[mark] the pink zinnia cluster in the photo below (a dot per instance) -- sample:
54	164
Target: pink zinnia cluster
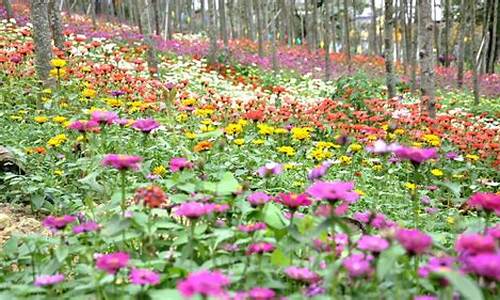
489	202
195	210
258	198
474	243
45	280
180	163
145	125
84	126
333	191
144	277
293	201
376	220
86	227
302	274
415	155
413	240
270	169
205	283
248	228
436	264
372	243
103	117
319	171
121	162
358	265
111	263
58	223
260	248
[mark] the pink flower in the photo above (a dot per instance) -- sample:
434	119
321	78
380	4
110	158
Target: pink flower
44	280
333	191
357	265
270	169
485	264
301	274
293	201
112	262
58	223
425	297
143	277
489	202
193	210
258	198
252	227
84	126
413	240
472	244
121	162
145	125
261	293
319	171
415	155
205	283
436	264
103	117
373	244
179	164
86	227
260	248
381	147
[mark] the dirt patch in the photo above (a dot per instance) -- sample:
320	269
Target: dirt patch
18	219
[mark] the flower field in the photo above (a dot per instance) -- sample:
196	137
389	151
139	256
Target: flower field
226	182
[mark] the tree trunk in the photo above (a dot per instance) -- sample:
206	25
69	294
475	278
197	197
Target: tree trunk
259	28
274	56
170	19
156	9
475	80
203	15
373	31
56	24
414	48
8	9
436	31
314	25
493	40
230	12
334	28
407	15
426	58
305	29
461	44
146	8
42	38
396	29
223	27
447	32
212	32
347	43
327	25
93	14
388	48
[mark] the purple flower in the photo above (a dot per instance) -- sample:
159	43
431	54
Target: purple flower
332	191
451	155
205	283
258	198
301	274
57	223
111	263
44	280
179	164
381	147
261	293
269	169
473	243
121	162
415	155
357	265
436	264
143	277
117	93
193	210
86	227
314	290
319	171
103	117
425	297
145	125
293	201
413	240
260	248
121	121
489	202
486	265
84	126
373	244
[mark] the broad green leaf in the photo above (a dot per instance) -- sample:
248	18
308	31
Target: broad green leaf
464	285
170	294
279	258
387	261
61	253
273	216
227	185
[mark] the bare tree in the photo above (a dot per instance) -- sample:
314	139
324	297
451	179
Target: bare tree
41	38
314	25
8	9
56	23
414	49
93	14
461	44
427	84
373	27
223	27
260	42
388	48
212	32
347	30
327	26
493	40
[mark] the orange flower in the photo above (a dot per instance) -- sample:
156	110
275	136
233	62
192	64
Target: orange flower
202	146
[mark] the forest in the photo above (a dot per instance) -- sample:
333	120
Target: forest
250	149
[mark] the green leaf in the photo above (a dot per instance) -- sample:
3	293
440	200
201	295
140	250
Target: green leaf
227	185
387	261
171	294
279	259
455	188
273	216
463	284
91	181
115	226
209	135
61	253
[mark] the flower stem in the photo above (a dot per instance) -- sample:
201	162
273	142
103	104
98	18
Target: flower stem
123	185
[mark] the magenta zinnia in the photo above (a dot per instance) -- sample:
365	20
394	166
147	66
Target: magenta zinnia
301	274
179	164
413	240
145	125
333	191
260	248
45	280
489	202
58	223
143	277
293	201
121	162
415	155
112	262
205	283
193	210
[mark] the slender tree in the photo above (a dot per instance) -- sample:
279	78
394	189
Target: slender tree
493	40
42	38
373	29
475	54
446	32
314	25
93	14
56	23
223	26
212	32
414	48
147	18
347	30
8	9
327	25
155	10
427	84
388	47
461	43
258	15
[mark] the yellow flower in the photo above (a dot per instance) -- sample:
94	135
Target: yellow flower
239	142
385	127
242	122
159	170
432	140
325	145
206	122
80	138
59	119
203	112
57	140
437	172
58	63
206	128
54	72
355	147
298	183
280	131
301	133
472	157
113	102
286	150
360	192
458	176
347	160
410	186
417	145
190	135
181	118
377	168
189	101
89	93
399	131
40	119
289	166
16	118
258	142
86	69
47	91
58	172
265	129
391	136
233	129
450	220
321	153
372	137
